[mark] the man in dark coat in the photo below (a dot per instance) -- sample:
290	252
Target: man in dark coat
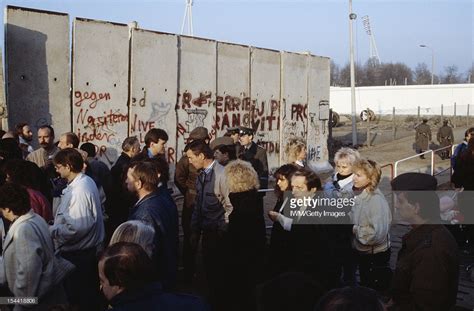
427	271
422	137
156	208
256	155
120	200
445	138
185	179
211	218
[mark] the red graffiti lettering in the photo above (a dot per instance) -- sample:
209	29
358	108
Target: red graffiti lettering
91	98
94	135
299	111
171	155
180	130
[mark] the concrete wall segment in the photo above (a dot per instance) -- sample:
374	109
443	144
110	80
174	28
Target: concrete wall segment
265	102
153	86
233	86
100	85
37	68
197	88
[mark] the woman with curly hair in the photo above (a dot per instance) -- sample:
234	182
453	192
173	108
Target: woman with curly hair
246	233
371	217
295	151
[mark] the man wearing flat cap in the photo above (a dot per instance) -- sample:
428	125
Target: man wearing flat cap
427	270
422	137
185	179
256	155
224	150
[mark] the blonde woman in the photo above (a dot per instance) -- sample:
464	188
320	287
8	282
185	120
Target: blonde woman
295	151
342	183
137	232
246	233
371	217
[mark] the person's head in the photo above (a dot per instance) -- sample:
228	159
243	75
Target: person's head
246	136
11	134
469	133
305	182
367	174
68	140
425	120
345	159
233	132
68	163
224	149
415	198
225	153
19	172
135	231
23	130
155	141
14	201
162	169
90	148
356	298
241	176
295	150
131	146
199	154
199	133
283	178
445	122
9	149
142	178
124	266
46	136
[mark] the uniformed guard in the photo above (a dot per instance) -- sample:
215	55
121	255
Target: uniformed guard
445	138
422	137
256	155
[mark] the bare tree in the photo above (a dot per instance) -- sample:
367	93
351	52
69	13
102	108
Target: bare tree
451	75
422	74
470	74
335	74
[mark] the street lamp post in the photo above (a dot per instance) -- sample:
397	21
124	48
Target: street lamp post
352	17
432	61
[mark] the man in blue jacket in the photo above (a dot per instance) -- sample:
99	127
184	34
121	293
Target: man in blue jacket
156	207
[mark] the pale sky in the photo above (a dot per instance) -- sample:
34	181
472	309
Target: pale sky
319	26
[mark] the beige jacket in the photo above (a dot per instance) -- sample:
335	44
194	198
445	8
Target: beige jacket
371	217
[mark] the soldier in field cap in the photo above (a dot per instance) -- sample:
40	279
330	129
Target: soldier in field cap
427	271
422	137
256	155
445	138
233	132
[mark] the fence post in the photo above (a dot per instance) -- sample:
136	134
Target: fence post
330	125
368	130
393	123
467	116
454	123
418	118
442	112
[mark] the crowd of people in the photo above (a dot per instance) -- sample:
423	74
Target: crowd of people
72	228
